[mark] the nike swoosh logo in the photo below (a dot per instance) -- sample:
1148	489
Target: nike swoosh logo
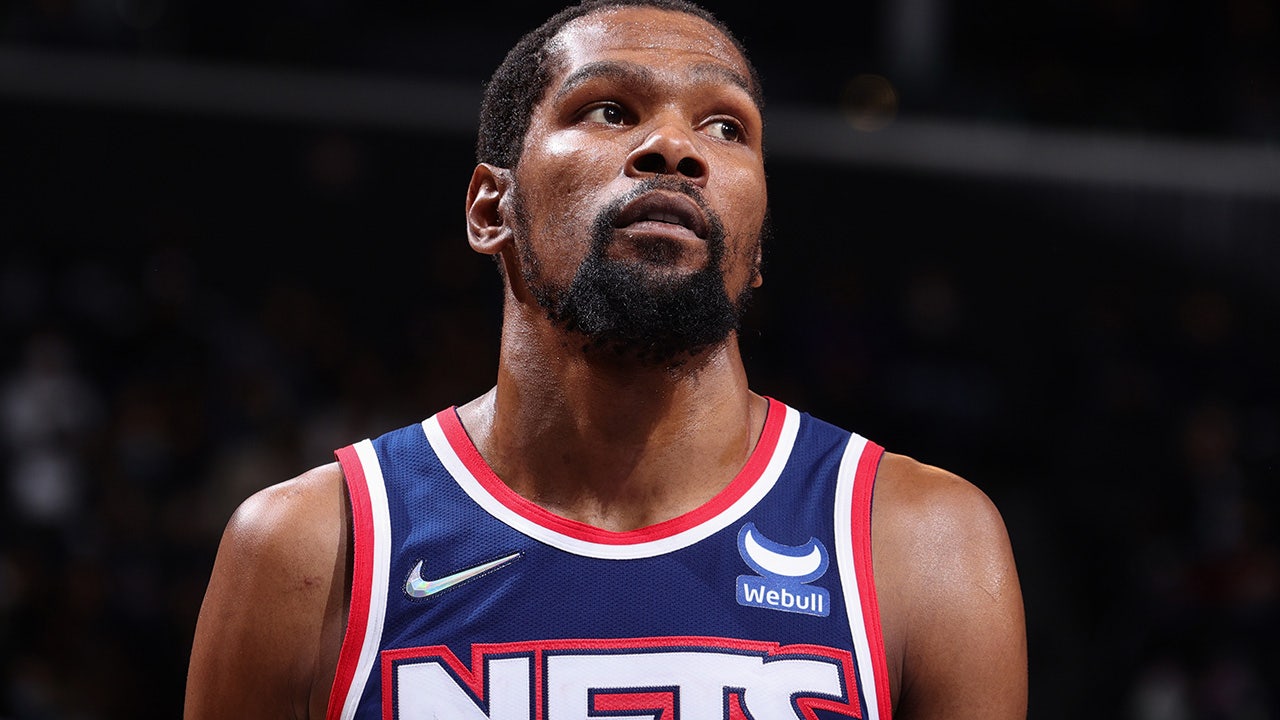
416	587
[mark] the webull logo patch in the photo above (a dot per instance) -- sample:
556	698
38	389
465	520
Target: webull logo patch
784	571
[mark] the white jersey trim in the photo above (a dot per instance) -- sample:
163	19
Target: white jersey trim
472	486
381	538
853	600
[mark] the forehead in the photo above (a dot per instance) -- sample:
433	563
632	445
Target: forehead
661	39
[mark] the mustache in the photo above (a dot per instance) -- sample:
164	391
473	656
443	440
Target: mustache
609	215
664	182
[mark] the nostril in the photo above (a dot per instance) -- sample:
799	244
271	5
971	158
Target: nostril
651	163
689	167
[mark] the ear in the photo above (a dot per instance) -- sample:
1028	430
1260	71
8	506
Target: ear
488	231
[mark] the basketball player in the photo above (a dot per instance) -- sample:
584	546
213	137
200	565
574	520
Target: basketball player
620	527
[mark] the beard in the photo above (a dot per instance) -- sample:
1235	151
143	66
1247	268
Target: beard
632	309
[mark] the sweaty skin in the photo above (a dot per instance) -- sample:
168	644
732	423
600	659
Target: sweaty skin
606	440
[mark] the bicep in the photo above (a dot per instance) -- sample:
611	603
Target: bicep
963	651
263	615
968	658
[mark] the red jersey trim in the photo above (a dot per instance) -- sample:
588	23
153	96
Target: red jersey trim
864	483
361	579
746	477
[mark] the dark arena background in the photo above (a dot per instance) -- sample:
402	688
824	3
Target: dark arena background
1034	243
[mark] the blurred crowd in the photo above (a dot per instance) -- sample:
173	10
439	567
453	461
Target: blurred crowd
1122	414
137	411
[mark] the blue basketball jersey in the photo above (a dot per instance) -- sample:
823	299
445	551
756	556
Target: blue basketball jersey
470	602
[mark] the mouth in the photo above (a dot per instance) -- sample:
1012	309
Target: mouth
663	213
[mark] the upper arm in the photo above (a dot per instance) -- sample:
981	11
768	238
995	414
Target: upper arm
273	611
951	603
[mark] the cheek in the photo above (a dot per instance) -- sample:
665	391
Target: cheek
564	181
578	154
745	201
568	146
739	175
569	173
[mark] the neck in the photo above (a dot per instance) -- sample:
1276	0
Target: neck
613	443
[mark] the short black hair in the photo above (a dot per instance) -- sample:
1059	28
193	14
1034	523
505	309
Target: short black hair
520	82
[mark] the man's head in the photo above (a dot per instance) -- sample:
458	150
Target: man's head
521	81
624	190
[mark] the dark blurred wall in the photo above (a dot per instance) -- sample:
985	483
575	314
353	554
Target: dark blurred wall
233	240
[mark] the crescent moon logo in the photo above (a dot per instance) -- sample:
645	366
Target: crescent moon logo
799	563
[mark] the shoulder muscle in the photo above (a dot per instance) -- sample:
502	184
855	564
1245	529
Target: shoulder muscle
274	605
950	599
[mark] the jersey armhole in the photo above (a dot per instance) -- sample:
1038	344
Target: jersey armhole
855	484
353	639
864	485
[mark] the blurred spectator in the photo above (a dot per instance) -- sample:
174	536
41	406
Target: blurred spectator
48	414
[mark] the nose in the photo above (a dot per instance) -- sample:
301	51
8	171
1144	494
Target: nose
668	150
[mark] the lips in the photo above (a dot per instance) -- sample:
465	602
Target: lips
663	210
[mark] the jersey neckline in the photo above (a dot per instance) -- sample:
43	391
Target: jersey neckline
762	468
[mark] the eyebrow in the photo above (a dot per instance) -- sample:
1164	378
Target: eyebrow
645	77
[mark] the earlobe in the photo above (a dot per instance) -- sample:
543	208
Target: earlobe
488	230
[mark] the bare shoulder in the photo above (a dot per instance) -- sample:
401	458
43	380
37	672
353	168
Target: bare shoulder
273	613
951	603
290	516
927	509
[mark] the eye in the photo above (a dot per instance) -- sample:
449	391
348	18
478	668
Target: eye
725	129
606	114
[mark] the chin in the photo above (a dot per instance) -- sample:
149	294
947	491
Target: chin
676	255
